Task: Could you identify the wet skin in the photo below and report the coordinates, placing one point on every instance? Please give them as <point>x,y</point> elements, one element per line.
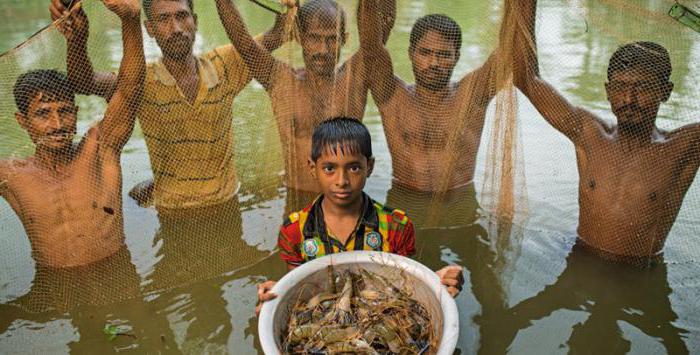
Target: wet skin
<point>69,197</point>
<point>433,127</point>
<point>303,97</point>
<point>71,211</point>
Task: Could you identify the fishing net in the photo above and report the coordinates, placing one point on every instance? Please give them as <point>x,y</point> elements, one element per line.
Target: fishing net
<point>214,165</point>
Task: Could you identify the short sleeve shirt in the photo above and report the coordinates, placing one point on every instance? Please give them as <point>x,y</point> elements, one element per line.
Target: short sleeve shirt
<point>190,145</point>
<point>304,234</point>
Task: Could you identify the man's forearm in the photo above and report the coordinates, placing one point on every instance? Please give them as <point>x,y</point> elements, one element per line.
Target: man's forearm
<point>235,28</point>
<point>260,62</point>
<point>132,70</point>
<point>80,70</point>
<point>370,27</point>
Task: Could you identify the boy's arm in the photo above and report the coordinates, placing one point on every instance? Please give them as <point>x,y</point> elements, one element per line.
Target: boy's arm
<point>405,243</point>
<point>259,61</point>
<point>382,80</point>
<point>557,110</point>
<point>289,244</point>
<point>75,28</point>
<point>118,123</point>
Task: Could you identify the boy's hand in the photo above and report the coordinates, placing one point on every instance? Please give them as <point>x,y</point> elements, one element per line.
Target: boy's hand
<point>264,294</point>
<point>125,9</point>
<point>451,277</point>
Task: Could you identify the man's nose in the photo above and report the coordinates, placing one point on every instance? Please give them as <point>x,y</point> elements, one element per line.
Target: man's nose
<point>629,95</point>
<point>176,26</point>
<point>434,61</point>
<point>55,121</point>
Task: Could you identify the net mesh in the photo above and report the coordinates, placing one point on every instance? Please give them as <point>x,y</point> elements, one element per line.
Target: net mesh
<point>219,153</point>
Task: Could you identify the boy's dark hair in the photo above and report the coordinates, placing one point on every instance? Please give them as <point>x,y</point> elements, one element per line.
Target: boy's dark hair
<point>348,135</point>
<point>49,82</point>
<point>444,25</point>
<point>311,9</point>
<point>147,4</point>
<point>646,56</point>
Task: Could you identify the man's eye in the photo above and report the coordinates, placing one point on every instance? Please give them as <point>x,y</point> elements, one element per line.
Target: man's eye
<point>355,169</point>
<point>328,169</point>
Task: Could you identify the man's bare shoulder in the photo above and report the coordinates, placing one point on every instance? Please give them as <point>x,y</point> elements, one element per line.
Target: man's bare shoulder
<point>592,126</point>
<point>686,138</point>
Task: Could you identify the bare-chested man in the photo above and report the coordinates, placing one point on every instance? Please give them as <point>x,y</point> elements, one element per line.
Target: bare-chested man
<point>68,196</point>
<point>433,127</point>
<point>186,112</point>
<point>632,175</point>
<point>302,98</point>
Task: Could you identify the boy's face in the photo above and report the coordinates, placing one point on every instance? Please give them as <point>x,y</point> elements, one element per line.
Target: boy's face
<point>341,176</point>
<point>50,122</point>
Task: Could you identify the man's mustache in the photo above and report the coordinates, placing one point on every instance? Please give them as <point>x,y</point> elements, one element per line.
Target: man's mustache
<point>177,38</point>
<point>324,57</point>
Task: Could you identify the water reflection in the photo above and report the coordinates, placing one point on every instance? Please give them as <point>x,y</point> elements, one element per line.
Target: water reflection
<point>449,231</point>
<point>195,248</point>
<point>79,294</point>
<point>610,295</point>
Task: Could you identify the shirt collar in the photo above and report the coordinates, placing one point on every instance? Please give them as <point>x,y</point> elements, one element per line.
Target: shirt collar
<point>207,73</point>
<point>315,224</point>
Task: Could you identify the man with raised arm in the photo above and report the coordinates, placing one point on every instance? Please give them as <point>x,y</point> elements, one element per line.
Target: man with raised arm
<point>426,122</point>
<point>68,196</point>
<point>186,113</point>
<point>304,97</point>
<point>632,175</point>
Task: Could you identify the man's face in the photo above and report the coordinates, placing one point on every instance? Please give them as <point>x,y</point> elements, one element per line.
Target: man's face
<point>50,122</point>
<point>321,43</point>
<point>173,25</point>
<point>341,176</point>
<point>434,58</point>
<point>635,97</point>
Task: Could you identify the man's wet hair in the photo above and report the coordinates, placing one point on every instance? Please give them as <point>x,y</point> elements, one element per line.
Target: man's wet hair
<point>346,134</point>
<point>148,4</point>
<point>645,56</point>
<point>314,9</point>
<point>444,25</point>
<point>50,82</point>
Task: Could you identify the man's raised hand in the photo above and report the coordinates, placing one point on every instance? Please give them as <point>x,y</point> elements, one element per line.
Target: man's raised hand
<point>73,23</point>
<point>125,9</point>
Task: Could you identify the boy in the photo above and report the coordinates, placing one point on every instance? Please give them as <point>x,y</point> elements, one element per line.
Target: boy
<point>343,217</point>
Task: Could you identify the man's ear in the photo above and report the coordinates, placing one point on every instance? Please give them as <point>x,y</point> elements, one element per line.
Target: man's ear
<point>370,166</point>
<point>312,167</point>
<point>22,120</point>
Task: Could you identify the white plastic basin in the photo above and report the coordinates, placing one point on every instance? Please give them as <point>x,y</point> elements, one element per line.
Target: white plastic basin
<point>313,276</point>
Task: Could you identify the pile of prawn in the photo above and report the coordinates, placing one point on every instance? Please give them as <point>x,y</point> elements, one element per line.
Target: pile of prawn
<point>359,313</point>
